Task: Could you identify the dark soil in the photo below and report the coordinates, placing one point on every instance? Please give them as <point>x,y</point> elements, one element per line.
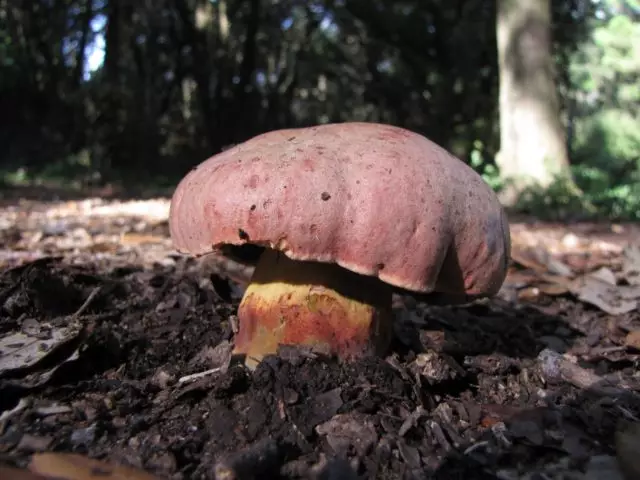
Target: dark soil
<point>461,396</point>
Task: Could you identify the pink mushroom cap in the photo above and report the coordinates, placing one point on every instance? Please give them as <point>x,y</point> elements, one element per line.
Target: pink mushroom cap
<point>375,199</point>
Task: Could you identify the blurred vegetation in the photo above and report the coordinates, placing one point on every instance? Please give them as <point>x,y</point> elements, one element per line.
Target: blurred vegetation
<point>182,79</point>
<point>604,121</point>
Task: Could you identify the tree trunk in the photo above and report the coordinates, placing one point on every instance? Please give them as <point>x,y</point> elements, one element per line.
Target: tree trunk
<point>533,146</point>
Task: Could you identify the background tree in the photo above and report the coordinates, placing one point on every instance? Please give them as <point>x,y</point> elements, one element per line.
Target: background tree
<point>605,107</point>
<point>104,91</point>
<point>532,135</point>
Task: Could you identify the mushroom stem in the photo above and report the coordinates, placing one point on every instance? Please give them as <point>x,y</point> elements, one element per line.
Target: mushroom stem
<point>321,305</point>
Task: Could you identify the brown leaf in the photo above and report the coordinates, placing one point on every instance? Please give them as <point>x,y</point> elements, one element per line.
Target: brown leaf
<point>541,261</point>
<point>631,264</point>
<point>522,257</point>
<point>140,239</point>
<point>553,288</point>
<point>605,274</point>
<point>347,430</point>
<point>22,350</point>
<point>633,339</point>
<point>71,466</point>
<point>542,287</point>
<point>528,294</point>
<point>103,247</point>
<point>613,299</point>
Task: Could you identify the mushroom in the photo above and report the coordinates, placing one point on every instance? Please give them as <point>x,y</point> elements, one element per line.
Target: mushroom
<point>343,215</point>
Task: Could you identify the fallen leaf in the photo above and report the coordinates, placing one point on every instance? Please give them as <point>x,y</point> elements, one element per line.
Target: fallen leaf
<point>633,339</point>
<point>523,258</point>
<point>71,466</point>
<point>409,454</point>
<point>541,287</point>
<point>19,350</point>
<point>613,299</point>
<point>349,430</point>
<point>541,261</point>
<point>521,278</point>
<point>104,247</point>
<point>554,289</point>
<point>141,239</point>
<point>631,264</point>
<point>528,294</point>
<point>605,274</point>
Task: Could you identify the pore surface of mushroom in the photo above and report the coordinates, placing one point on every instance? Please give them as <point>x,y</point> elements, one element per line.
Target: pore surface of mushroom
<point>345,212</point>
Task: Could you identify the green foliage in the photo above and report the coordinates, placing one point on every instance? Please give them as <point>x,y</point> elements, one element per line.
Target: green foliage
<point>78,172</point>
<point>609,140</point>
<point>611,197</point>
<point>559,201</point>
<point>74,171</point>
<point>596,197</point>
<point>605,123</point>
<point>605,70</point>
<point>488,170</point>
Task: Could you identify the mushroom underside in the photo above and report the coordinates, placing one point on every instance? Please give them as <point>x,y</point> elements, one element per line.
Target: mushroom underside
<point>321,305</point>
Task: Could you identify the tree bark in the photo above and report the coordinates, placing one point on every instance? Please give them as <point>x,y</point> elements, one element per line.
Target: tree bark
<point>78,75</point>
<point>533,148</point>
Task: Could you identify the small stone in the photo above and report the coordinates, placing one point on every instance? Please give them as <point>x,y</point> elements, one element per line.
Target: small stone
<point>33,443</point>
<point>554,343</point>
<point>84,436</point>
<point>162,379</point>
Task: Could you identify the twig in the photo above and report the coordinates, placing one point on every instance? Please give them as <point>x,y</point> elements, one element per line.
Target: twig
<point>470,449</point>
<point>86,304</point>
<point>7,414</point>
<point>195,376</point>
<point>557,367</point>
<point>627,414</point>
<point>597,352</point>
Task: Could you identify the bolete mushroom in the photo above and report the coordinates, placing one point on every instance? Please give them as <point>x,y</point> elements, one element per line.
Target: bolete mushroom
<point>344,214</point>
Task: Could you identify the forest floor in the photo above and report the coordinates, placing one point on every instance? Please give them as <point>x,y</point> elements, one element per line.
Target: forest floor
<point>115,347</point>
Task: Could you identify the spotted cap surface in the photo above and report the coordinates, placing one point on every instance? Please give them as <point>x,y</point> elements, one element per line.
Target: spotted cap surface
<point>376,199</point>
